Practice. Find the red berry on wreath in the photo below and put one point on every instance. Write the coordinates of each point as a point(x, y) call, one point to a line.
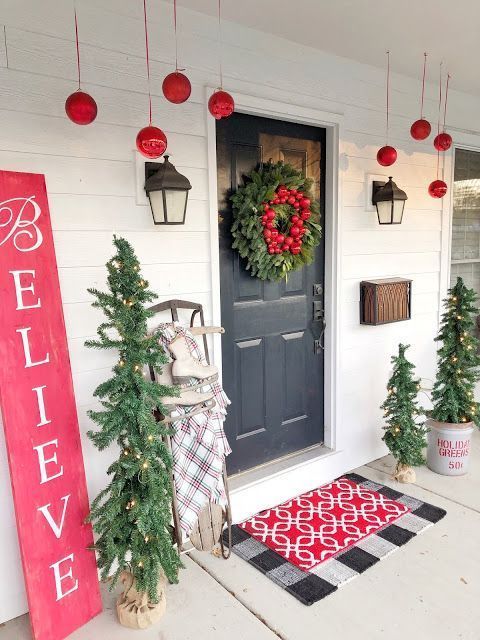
point(270, 225)
point(267, 233)
point(294, 231)
point(305, 203)
point(299, 243)
point(296, 205)
point(295, 219)
point(274, 233)
point(305, 215)
point(263, 223)
point(278, 250)
point(299, 223)
point(276, 201)
point(293, 192)
point(271, 250)
point(291, 200)
point(295, 250)
point(283, 200)
point(280, 238)
point(270, 214)
point(281, 187)
point(288, 240)
point(299, 195)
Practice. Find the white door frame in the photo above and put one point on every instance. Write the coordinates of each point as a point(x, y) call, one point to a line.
point(332, 122)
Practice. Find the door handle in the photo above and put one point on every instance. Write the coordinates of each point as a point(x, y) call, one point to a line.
point(318, 344)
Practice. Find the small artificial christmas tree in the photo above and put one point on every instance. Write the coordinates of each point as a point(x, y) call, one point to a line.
point(132, 514)
point(458, 359)
point(403, 436)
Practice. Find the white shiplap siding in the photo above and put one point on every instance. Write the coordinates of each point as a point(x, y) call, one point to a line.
point(91, 177)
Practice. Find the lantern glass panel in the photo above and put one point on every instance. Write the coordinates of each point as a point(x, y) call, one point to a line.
point(398, 206)
point(156, 204)
point(384, 210)
point(176, 202)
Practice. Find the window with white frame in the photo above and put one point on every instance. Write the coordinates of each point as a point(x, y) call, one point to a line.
point(466, 219)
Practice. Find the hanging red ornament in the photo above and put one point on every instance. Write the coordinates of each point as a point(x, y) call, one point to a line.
point(443, 141)
point(437, 188)
point(386, 156)
point(80, 107)
point(221, 104)
point(151, 142)
point(176, 87)
point(421, 129)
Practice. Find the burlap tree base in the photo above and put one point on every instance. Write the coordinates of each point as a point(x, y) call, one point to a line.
point(404, 473)
point(133, 608)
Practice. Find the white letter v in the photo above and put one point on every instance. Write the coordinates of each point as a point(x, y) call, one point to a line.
point(57, 530)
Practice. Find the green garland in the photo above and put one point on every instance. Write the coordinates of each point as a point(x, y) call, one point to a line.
point(264, 211)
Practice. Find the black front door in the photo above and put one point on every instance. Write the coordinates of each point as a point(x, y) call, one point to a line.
point(272, 349)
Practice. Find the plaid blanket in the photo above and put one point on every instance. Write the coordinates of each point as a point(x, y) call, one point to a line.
point(199, 444)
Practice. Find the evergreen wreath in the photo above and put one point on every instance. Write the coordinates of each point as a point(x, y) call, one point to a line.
point(276, 223)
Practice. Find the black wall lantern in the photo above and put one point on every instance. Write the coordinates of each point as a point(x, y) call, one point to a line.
point(389, 201)
point(167, 190)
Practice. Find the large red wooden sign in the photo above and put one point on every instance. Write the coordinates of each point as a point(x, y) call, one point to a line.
point(40, 418)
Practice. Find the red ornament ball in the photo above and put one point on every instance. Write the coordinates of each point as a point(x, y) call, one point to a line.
point(176, 87)
point(420, 129)
point(81, 108)
point(221, 104)
point(443, 141)
point(437, 189)
point(151, 142)
point(386, 156)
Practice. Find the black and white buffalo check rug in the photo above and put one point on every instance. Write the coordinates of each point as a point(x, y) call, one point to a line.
point(319, 581)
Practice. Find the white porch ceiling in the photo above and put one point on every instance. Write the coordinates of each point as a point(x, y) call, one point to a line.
point(363, 29)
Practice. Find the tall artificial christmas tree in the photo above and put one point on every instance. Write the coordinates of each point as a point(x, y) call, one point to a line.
point(403, 436)
point(458, 359)
point(132, 514)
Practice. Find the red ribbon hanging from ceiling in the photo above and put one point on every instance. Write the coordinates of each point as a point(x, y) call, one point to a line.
point(147, 60)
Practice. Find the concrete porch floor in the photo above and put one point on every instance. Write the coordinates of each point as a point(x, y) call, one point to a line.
point(428, 589)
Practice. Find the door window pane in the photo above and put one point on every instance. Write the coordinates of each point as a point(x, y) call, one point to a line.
point(466, 219)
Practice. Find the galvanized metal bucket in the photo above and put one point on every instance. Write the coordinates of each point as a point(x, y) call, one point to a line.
point(449, 445)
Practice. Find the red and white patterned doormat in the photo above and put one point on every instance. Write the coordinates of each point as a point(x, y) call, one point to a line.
point(320, 524)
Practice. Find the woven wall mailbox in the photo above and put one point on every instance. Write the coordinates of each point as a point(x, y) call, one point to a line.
point(386, 300)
